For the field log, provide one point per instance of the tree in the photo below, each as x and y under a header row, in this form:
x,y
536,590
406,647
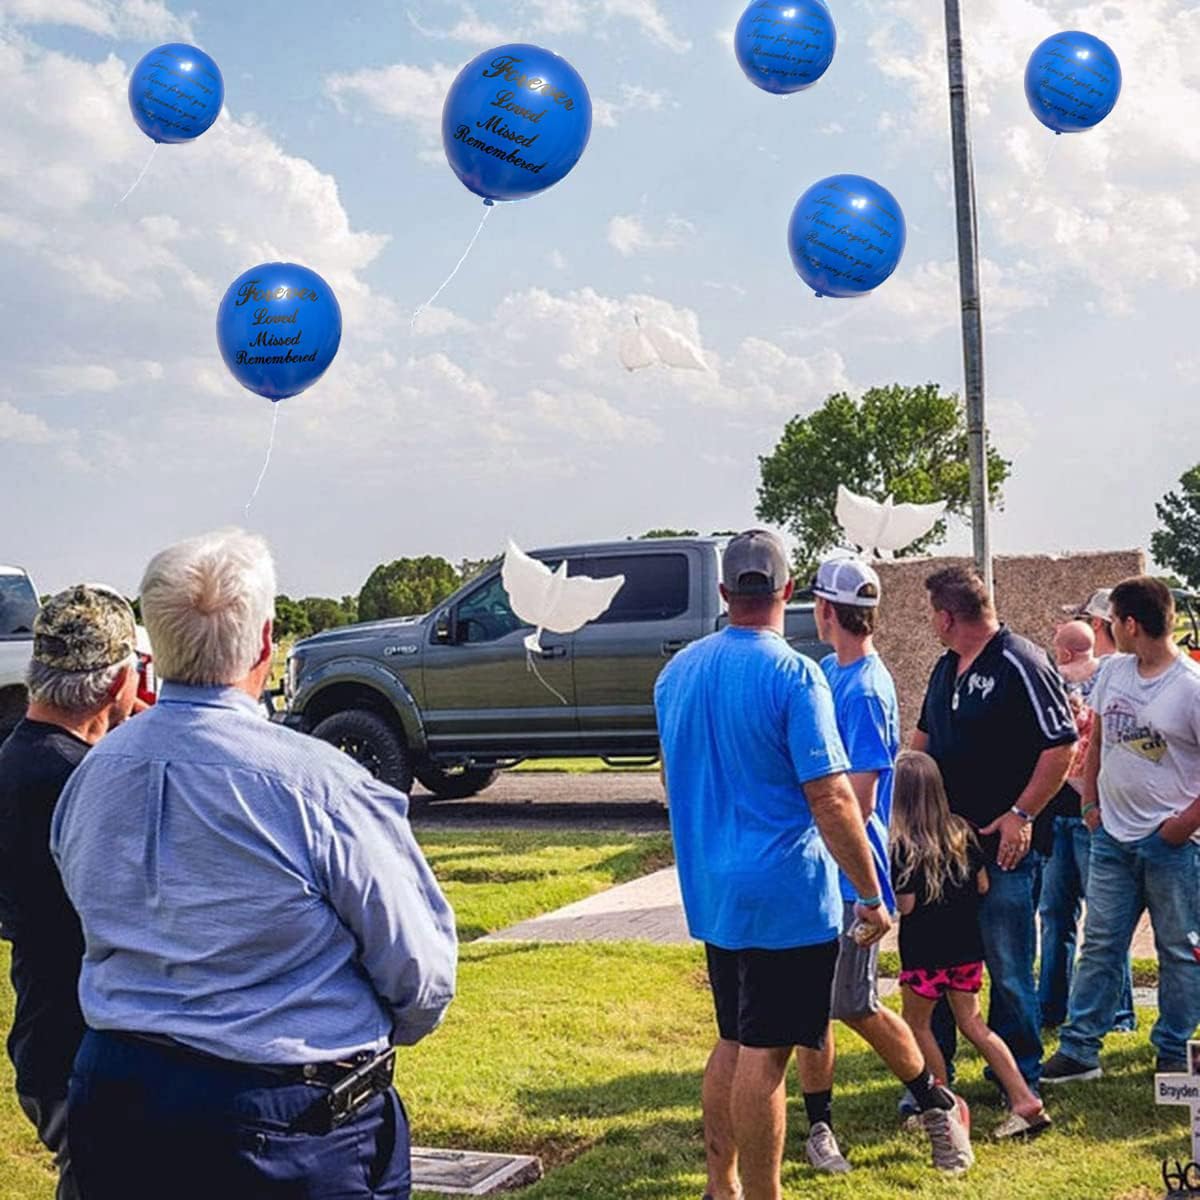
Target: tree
x,y
324,613
909,442
350,608
406,587
469,568
1177,544
291,621
668,533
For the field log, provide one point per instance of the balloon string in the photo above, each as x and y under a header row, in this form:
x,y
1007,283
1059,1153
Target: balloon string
x,y
533,667
270,447
141,176
487,212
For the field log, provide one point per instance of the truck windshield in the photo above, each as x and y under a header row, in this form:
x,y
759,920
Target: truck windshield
x,y
18,606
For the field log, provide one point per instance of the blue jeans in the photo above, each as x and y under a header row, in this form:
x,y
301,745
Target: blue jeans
x,y
146,1123
1064,888
1126,879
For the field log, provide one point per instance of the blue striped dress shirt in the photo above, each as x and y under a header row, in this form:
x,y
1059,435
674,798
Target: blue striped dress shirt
x,y
248,891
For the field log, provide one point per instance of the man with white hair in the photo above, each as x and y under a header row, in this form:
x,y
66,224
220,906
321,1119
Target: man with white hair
x,y
260,925
82,682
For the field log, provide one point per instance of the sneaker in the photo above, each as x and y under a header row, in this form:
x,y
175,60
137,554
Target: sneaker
x,y
949,1137
823,1151
1062,1068
1171,1066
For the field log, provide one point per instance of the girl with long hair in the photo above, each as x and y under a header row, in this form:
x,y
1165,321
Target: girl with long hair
x,y
939,878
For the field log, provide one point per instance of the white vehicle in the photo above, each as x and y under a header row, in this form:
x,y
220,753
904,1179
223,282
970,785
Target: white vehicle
x,y
18,607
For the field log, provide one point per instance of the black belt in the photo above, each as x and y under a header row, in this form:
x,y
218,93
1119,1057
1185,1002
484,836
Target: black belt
x,y
348,1086
325,1074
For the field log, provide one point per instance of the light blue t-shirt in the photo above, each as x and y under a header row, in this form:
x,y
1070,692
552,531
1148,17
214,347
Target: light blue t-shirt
x,y
744,723
868,718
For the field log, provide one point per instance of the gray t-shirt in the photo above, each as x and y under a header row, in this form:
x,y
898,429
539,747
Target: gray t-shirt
x,y
1150,766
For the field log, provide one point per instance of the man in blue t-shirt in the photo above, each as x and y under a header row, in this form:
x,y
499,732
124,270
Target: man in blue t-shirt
x,y
759,802
847,593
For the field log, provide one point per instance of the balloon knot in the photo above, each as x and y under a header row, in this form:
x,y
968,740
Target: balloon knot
x,y
488,203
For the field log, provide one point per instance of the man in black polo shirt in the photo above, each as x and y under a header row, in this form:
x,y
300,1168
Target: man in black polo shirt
x,y
82,682
997,721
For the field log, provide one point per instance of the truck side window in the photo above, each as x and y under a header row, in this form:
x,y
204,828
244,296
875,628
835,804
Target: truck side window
x,y
656,586
485,615
18,606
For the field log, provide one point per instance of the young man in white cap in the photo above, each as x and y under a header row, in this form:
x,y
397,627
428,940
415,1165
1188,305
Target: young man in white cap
x,y
1096,614
847,592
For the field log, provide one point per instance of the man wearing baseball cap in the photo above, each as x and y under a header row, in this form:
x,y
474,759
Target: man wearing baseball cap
x,y
82,683
848,592
757,791
1097,613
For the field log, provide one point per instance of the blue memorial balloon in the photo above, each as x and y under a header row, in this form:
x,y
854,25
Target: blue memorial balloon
x,y
1073,82
278,328
516,120
176,93
785,45
846,236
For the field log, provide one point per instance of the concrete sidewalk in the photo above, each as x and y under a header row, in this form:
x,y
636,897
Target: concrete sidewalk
x,y
650,909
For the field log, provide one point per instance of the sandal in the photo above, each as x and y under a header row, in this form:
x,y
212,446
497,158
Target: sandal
x,y
1017,1126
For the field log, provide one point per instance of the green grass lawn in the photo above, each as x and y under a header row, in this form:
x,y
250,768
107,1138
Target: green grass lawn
x,y
578,766
591,1055
497,877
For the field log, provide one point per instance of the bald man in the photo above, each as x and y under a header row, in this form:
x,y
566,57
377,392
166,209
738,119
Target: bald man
x,y
1064,878
1075,653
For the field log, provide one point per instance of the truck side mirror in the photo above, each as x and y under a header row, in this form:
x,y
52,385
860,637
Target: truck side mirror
x,y
443,629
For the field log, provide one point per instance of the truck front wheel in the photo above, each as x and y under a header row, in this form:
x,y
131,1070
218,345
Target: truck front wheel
x,y
451,784
372,742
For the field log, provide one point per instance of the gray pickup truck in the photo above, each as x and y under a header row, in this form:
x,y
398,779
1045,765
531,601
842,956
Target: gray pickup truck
x,y
449,697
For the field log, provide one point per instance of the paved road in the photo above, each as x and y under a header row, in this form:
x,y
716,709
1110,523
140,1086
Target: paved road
x,y
531,800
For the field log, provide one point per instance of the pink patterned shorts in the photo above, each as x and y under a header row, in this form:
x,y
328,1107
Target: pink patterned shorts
x,y
933,985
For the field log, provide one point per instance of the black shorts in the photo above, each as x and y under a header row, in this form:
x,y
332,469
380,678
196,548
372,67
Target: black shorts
x,y
769,999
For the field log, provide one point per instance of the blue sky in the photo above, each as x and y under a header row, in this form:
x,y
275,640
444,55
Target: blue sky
x,y
508,412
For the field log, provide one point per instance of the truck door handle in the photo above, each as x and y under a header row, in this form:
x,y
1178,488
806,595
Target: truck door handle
x,y
554,652
674,647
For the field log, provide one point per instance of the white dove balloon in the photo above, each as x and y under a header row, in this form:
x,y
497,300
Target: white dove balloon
x,y
650,344
551,599
636,352
887,527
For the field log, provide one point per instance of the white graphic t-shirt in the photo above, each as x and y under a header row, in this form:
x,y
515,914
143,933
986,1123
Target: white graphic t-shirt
x,y
1150,767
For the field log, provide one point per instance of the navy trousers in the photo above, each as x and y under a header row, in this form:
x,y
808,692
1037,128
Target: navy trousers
x,y
147,1123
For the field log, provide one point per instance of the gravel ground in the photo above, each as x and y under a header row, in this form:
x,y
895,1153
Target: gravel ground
x,y
626,801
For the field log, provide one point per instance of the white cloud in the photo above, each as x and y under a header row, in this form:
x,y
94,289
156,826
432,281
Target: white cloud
x,y
66,380
591,418
24,427
634,98
629,235
413,95
755,384
530,19
924,299
436,321
132,19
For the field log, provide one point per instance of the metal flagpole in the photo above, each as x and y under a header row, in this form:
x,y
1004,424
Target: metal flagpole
x,y
968,274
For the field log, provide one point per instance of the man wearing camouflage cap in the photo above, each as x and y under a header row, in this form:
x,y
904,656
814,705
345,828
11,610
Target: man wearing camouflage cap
x,y
82,683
